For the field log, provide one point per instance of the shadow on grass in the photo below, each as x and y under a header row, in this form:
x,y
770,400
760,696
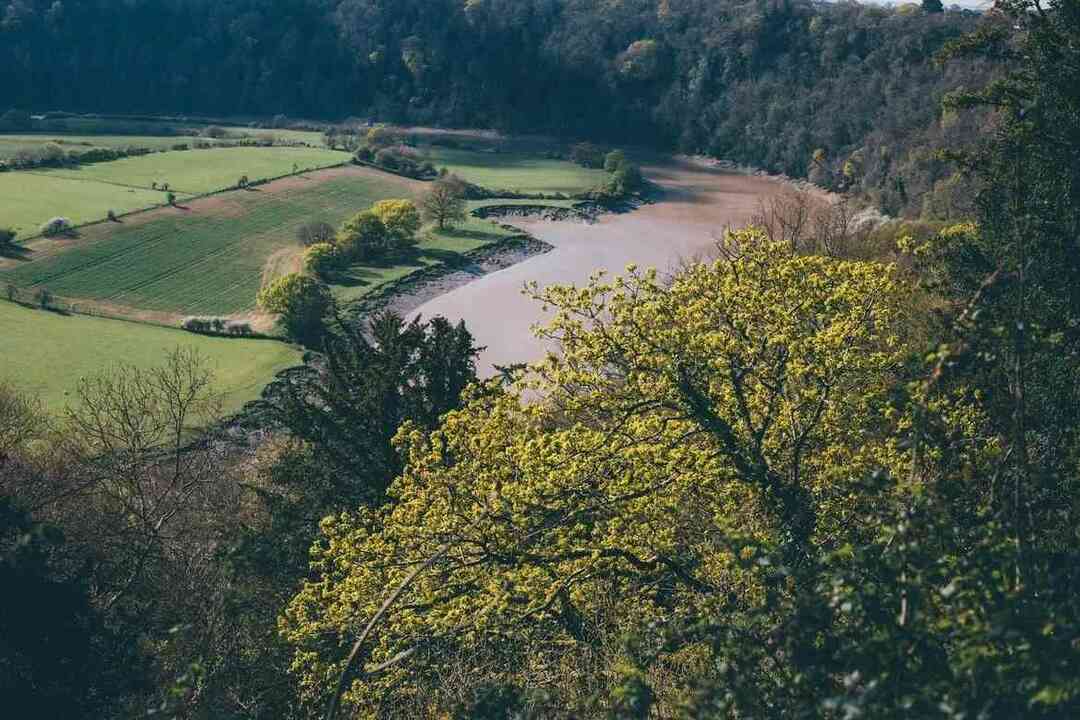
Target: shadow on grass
x,y
15,252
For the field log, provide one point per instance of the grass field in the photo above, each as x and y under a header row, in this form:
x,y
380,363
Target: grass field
x,y
516,172
208,260
195,172
436,247
47,353
30,199
87,193
12,144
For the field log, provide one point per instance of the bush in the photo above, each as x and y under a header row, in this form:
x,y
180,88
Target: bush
x,y
111,215
57,226
321,259
302,301
401,219
362,237
214,131
614,160
44,298
237,327
312,233
7,238
587,155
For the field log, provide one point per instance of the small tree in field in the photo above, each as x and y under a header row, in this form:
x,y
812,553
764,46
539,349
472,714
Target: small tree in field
x,y
362,237
302,301
401,219
44,298
7,239
312,233
444,203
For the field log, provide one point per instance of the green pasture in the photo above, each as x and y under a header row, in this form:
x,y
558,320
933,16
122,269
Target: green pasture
x,y
10,145
28,199
201,261
46,353
516,172
195,172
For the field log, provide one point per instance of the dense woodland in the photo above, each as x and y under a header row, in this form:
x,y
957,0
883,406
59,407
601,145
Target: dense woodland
x,y
814,476
773,84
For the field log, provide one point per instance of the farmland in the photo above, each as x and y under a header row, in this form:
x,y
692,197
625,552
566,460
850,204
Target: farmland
x,y
211,169
46,353
207,259
30,199
211,253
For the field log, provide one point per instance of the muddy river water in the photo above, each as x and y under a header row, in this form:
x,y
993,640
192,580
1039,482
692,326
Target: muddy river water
x,y
696,204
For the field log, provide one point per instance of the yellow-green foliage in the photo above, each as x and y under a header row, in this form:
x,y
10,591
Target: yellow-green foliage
x,y
280,295
670,422
362,236
320,258
400,218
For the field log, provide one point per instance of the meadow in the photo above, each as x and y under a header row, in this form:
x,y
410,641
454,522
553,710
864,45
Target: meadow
x,y
194,172
47,353
30,199
86,193
516,172
208,259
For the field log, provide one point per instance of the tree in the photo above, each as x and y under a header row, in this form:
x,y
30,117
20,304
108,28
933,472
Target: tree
x,y
614,160
302,301
932,6
7,239
741,402
362,237
401,220
444,202
321,258
311,233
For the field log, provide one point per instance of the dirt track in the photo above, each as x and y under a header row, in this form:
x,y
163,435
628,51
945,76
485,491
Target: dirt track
x,y
698,203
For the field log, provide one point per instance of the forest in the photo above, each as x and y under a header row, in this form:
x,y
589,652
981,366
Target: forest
x,y
813,474
846,94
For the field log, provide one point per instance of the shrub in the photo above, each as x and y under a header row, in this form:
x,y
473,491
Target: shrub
x,y
170,197
311,233
57,226
321,258
362,237
381,137
214,131
43,297
614,160
7,238
401,219
302,301
237,327
111,215
587,155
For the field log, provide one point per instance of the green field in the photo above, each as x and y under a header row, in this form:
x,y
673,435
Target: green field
x,y
199,262
516,172
12,144
46,353
87,193
195,172
30,199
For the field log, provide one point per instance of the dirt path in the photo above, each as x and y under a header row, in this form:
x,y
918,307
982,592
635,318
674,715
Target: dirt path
x,y
697,204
